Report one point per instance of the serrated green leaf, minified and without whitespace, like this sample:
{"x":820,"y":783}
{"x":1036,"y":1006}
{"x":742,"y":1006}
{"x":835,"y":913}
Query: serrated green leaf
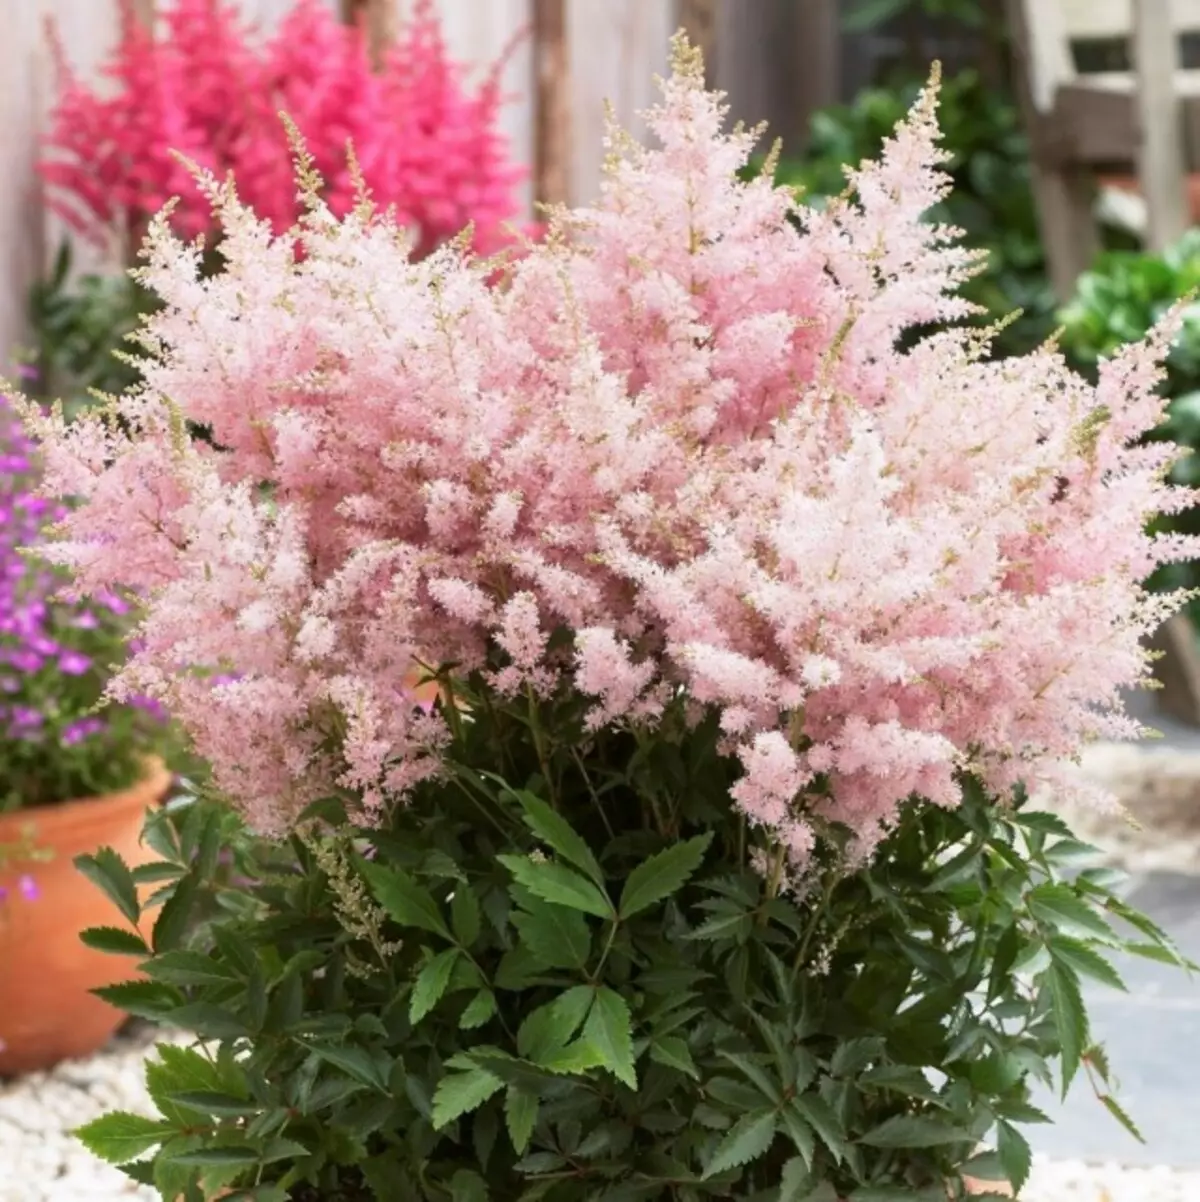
{"x":1058,"y":907}
{"x":175,"y":916}
{"x":464,"y":915}
{"x":119,"y":1137}
{"x":609,"y":1029}
{"x":556,"y":936}
{"x":819,"y":1115}
{"x":355,"y":1062}
{"x":1015,"y":1155}
{"x":220,"y":1105}
{"x":479,"y":1009}
{"x":520,"y":1113}
{"x":1084,"y":961}
{"x":759,"y":1076}
{"x":220,"y":1156}
{"x":556,"y":883}
{"x":549,"y":1028}
{"x":1070,"y":1019}
{"x":747,"y":1140}
{"x":855,"y":1055}
{"x":110,"y":873}
{"x":795,"y":1183}
{"x":913,"y":1131}
{"x":460,"y":1093}
{"x":409,"y":904}
{"x":188,"y":968}
{"x":575,"y":1059}
{"x":662,"y":875}
{"x":468,"y":1186}
{"x":116,"y":940}
{"x":558,"y":834}
{"x":1118,"y":1112}
{"x":143,"y":999}
{"x":431,"y":984}
{"x":672,"y":1052}
{"x":800,"y":1134}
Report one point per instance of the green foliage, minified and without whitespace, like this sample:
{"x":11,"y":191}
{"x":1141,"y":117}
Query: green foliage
{"x":80,"y":326}
{"x":1117,"y":302}
{"x":572,"y":983}
{"x":992,"y":200}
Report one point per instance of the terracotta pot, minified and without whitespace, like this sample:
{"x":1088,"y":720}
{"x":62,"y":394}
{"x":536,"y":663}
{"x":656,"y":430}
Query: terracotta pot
{"x":46,"y":1011}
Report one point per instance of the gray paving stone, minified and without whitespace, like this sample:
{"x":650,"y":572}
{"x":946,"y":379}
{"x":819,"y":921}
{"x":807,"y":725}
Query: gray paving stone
{"x":1153,"y":1039}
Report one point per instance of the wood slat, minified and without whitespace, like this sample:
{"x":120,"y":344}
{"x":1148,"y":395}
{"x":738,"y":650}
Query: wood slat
{"x":1105,"y":19}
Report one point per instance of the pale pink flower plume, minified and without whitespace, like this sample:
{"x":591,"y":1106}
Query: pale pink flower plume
{"x":684,"y":429}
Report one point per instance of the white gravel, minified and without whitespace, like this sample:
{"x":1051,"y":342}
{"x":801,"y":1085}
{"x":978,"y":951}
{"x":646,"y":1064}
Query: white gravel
{"x":1159,"y":788}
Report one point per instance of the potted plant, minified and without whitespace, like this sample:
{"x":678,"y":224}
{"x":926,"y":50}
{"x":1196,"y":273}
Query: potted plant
{"x":710,"y":872}
{"x":73,"y":778}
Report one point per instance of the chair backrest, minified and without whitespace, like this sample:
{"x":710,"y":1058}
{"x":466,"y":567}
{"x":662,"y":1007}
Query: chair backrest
{"x":1057,"y":29}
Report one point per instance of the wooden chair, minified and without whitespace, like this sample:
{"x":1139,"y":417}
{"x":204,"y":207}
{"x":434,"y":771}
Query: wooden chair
{"x":1084,"y":126}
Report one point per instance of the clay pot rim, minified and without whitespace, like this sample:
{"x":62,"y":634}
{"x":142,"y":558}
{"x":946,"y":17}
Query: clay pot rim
{"x":146,"y":791}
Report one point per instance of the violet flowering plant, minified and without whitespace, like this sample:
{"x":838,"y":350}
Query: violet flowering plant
{"x":56,"y":741}
{"x":711,"y":871}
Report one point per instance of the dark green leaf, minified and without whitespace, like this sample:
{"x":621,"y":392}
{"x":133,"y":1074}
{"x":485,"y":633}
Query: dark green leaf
{"x":913,"y":1131}
{"x":116,"y":940}
{"x":188,"y":968}
{"x":520,"y":1113}
{"x":143,"y":999}
{"x":431,"y":984}
{"x":356,"y":1062}
{"x":557,"y":833}
{"x":175,"y":916}
{"x":1084,"y":961}
{"x":479,"y":1009}
{"x":460,"y":1093}
{"x":219,"y":1156}
{"x":464,"y":914}
{"x":549,"y":1028}
{"x":1118,"y":1112}
{"x":819,"y":1115}
{"x":609,"y":1030}
{"x":556,"y":883}
{"x":221,"y":1105}
{"x":467,"y":1186}
{"x":409,"y":904}
{"x":673,"y":1052}
{"x":1015,"y":1155}
{"x":1058,"y":906}
{"x":748,"y":1139}
{"x":557,"y":937}
{"x":1070,"y":1019}
{"x":109,"y":872}
{"x":662,"y":875}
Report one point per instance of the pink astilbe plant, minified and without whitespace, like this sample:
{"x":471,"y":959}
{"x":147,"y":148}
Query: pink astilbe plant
{"x":683,"y":431}
{"x":206,"y":86}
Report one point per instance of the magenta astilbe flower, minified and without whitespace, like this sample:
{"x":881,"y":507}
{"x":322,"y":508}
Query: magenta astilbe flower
{"x":204,"y":85}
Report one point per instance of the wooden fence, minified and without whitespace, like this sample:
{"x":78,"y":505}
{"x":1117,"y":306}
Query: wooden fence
{"x":776,"y":57}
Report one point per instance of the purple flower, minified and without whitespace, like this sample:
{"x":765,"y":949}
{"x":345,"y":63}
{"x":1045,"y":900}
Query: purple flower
{"x":85,"y":620}
{"x":27,"y":887}
{"x":27,"y":371}
{"x":112,"y":603}
{"x":73,"y":663}
{"x":84,"y":728}
{"x":22,"y":719}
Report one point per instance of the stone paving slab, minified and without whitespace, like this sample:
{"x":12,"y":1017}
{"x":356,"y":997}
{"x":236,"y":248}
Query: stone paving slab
{"x":1152,"y":1035}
